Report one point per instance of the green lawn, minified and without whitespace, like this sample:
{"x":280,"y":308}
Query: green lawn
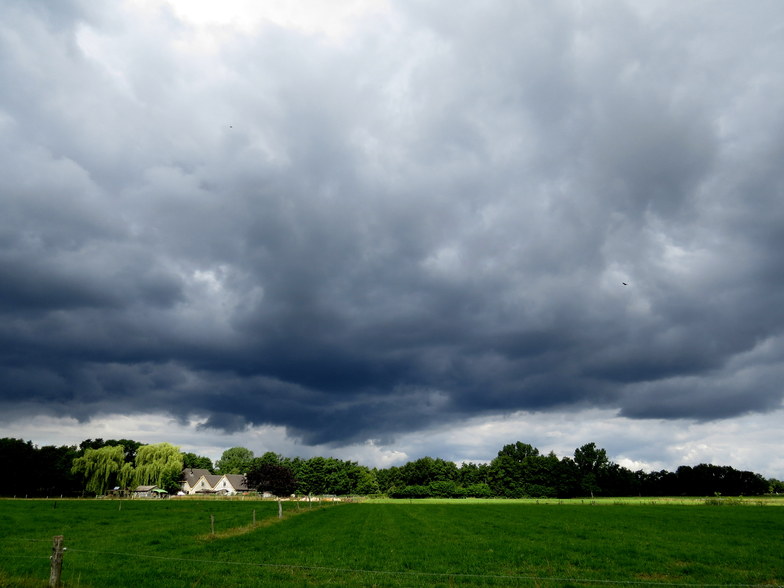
{"x":168,"y":543}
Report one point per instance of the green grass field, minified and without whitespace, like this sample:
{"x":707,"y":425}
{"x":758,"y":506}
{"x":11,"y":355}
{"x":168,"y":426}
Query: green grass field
{"x":168,"y":543}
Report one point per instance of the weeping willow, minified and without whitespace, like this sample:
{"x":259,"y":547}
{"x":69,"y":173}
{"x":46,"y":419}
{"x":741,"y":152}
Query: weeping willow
{"x":159,"y":464}
{"x":126,"y":475}
{"x":99,"y":467}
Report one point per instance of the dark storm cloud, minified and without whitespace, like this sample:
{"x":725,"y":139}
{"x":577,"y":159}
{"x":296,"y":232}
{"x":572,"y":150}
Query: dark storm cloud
{"x":424,"y":222}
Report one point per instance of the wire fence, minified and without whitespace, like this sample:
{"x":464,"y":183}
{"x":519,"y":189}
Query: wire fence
{"x":76,"y":561}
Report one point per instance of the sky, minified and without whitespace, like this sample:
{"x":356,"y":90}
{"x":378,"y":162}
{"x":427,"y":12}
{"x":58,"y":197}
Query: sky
{"x":379,"y":230}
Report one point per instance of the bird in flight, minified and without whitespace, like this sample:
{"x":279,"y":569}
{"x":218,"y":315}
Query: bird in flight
{"x":624,"y":283}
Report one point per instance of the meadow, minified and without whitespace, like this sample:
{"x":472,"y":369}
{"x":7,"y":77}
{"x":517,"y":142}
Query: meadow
{"x":155,"y":543}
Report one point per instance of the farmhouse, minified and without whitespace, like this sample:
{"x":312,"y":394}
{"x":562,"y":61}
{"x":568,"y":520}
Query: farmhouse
{"x":198,"y":481}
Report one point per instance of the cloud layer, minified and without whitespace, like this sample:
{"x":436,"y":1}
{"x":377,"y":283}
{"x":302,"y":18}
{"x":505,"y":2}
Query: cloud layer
{"x":424,"y":215}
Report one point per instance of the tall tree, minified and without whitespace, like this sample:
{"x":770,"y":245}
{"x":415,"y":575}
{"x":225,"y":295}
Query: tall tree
{"x":126,"y":477}
{"x":427,"y":469}
{"x":236,"y":460}
{"x":269,"y":477}
{"x":270,"y":457}
{"x":591,"y":462}
{"x":129,"y":446}
{"x":99,"y":467}
{"x":389,"y":478}
{"x":159,"y":464}
{"x":519,"y":451}
{"x":590,"y":459}
{"x":365,"y":481}
{"x":17,"y":459}
{"x":472,"y":473}
{"x":200,"y":462}
{"x":53,"y":469}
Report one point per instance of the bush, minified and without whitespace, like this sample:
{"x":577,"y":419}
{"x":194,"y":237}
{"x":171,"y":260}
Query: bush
{"x":410,"y":492}
{"x":444,"y":489}
{"x":481,"y":490}
{"x":719,"y":500}
{"x":539,"y":491}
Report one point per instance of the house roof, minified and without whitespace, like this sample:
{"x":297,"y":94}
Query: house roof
{"x":145,"y":488}
{"x":238,"y":481}
{"x":192,"y":475}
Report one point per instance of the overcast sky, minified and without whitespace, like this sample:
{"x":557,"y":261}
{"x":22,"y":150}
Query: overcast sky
{"x":383,"y":230}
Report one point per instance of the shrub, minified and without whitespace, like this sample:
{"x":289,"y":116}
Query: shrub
{"x":480,"y":490}
{"x":444,"y":489}
{"x":410,"y":492}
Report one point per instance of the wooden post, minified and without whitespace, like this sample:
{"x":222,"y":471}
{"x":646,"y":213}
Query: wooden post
{"x":254,"y":517}
{"x":280,"y":509}
{"x":57,"y":562}
{"x":212,"y":524}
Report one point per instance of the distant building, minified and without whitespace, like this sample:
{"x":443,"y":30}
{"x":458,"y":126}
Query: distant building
{"x":149,"y":492}
{"x":198,"y":481}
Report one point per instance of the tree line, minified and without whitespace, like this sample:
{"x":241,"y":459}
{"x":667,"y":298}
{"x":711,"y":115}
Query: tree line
{"x":519,"y":470}
{"x":93,"y":467}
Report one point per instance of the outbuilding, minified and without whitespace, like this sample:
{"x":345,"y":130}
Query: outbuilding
{"x":149,"y":492}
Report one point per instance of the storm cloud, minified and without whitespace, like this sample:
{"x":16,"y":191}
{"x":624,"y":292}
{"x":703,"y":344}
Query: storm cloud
{"x":438,"y":212}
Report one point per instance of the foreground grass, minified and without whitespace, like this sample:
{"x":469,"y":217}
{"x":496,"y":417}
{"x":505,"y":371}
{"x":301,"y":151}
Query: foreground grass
{"x":155,"y":543}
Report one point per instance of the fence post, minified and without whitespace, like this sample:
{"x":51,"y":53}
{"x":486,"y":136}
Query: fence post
{"x":212,"y":524}
{"x":254,"y":517}
{"x":280,"y":509}
{"x":57,"y":562}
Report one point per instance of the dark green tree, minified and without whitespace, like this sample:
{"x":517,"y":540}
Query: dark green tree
{"x":520,"y":471}
{"x":325,"y":475}
{"x":17,"y":459}
{"x":199,"y":462}
{"x":472,"y":473}
{"x":506,"y":477}
{"x":236,"y":460}
{"x":567,"y":479}
{"x":591,"y":462}
{"x":519,"y":451}
{"x":276,"y":479}
{"x":616,"y":480}
{"x":389,"y":478}
{"x":480,"y":490}
{"x":55,"y":478}
{"x":427,"y":469}
{"x":365,"y":481}
{"x":270,"y":457}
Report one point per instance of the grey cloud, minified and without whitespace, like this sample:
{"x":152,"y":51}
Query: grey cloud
{"x":424,"y":223}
